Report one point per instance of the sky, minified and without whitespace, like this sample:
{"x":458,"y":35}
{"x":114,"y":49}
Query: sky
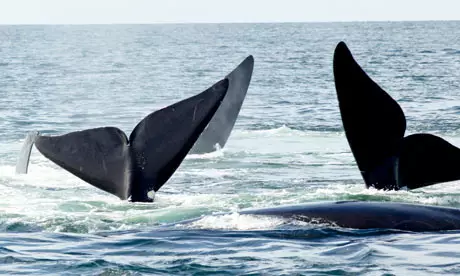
{"x":212,"y":11}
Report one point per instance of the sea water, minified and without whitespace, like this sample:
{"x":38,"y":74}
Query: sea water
{"x":288,"y":147}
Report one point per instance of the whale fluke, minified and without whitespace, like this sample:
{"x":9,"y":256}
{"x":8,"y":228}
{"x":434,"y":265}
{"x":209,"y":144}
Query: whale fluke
{"x":24,"y":155}
{"x":374,"y":125}
{"x":107,"y":159}
{"x":221,"y":125}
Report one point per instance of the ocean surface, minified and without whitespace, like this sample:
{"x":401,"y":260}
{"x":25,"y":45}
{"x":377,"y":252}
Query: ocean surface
{"x":288,"y":147}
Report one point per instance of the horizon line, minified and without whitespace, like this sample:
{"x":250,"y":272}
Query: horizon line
{"x":232,"y":22}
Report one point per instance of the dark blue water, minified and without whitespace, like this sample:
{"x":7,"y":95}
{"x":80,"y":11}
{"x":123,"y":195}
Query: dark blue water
{"x":288,"y":147}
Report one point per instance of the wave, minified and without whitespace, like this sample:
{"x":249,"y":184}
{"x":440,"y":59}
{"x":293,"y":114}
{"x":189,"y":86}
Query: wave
{"x":284,"y":131}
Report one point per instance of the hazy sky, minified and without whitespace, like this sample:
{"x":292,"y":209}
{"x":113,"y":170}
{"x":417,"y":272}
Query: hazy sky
{"x":153,"y":11}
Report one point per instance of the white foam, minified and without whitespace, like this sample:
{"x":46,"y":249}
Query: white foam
{"x":51,"y":197}
{"x":210,"y":155}
{"x":237,"y":221}
{"x":208,"y":172}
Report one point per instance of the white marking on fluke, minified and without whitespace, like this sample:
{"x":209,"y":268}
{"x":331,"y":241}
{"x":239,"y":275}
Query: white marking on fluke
{"x":151,"y":195}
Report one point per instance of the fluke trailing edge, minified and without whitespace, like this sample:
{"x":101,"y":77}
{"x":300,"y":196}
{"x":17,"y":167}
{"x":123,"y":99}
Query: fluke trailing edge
{"x":107,"y":159}
{"x":218,"y":130}
{"x":374,"y":125}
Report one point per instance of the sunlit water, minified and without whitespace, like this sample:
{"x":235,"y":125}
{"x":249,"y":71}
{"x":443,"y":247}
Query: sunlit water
{"x":287,"y":147}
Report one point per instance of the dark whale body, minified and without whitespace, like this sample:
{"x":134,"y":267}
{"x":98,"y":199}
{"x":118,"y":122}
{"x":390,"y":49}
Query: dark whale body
{"x":370,"y":215}
{"x":363,"y":215}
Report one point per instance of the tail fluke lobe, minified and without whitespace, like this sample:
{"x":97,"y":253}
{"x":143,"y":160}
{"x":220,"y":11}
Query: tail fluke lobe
{"x":22,"y":163}
{"x":161,"y":141}
{"x":106,"y":159}
{"x":374,"y":123}
{"x":426,"y":159}
{"x":98,"y":156}
{"x":221,"y":124}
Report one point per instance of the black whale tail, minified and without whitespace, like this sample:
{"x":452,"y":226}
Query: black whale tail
{"x":107,"y":159}
{"x":221,"y":125}
{"x":374,"y":125}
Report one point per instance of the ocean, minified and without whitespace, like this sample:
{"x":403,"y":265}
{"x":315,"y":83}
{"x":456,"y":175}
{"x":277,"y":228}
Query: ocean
{"x":287,"y":147}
